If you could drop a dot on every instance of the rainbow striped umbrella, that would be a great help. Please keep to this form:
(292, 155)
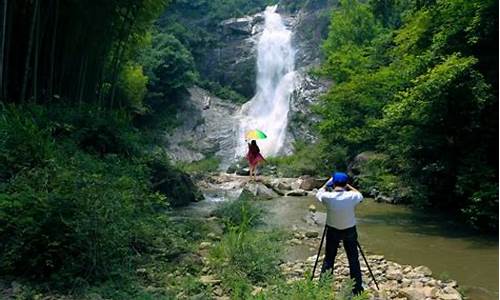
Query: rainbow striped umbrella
(255, 135)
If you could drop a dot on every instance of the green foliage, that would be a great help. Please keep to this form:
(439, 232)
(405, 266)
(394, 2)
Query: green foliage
(201, 167)
(91, 129)
(171, 181)
(308, 159)
(314, 290)
(238, 212)
(218, 10)
(376, 173)
(245, 257)
(72, 219)
(414, 84)
(223, 92)
(76, 50)
(480, 207)
(73, 214)
(23, 144)
(132, 84)
(169, 67)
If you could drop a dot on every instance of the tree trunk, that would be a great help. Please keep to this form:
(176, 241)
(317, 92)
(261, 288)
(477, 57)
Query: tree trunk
(7, 53)
(35, 63)
(53, 53)
(2, 50)
(28, 54)
(82, 80)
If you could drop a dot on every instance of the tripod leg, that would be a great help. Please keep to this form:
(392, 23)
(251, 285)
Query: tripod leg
(367, 265)
(319, 251)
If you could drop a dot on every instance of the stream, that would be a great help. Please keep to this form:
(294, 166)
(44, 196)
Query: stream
(401, 235)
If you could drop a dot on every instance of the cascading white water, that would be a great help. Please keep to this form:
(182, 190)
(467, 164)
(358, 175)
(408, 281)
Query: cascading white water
(268, 109)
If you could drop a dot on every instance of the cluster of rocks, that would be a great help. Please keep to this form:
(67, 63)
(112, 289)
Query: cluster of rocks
(395, 281)
(231, 186)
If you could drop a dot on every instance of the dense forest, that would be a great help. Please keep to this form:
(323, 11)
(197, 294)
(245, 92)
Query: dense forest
(417, 83)
(89, 90)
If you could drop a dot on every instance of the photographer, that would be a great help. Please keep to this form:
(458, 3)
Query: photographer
(340, 203)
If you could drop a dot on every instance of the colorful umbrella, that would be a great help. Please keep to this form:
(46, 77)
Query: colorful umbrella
(255, 135)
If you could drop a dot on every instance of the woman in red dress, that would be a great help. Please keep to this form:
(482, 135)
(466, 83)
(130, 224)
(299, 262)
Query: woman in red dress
(254, 158)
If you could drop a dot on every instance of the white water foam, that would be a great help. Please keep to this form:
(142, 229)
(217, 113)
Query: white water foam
(268, 109)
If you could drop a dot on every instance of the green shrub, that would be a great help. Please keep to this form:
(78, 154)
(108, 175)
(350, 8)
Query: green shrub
(481, 210)
(375, 173)
(171, 181)
(243, 255)
(201, 167)
(23, 143)
(308, 159)
(238, 212)
(247, 255)
(94, 130)
(74, 217)
(223, 92)
(314, 290)
(77, 201)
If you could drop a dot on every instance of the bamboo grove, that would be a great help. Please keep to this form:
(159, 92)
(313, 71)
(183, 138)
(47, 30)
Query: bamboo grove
(68, 49)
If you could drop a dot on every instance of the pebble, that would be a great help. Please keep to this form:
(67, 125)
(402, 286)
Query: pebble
(396, 281)
(312, 234)
(205, 245)
(209, 280)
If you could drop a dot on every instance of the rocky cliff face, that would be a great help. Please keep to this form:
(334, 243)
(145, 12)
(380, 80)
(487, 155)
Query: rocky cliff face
(310, 28)
(232, 62)
(207, 129)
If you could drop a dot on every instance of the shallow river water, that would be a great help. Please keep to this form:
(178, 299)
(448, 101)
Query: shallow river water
(402, 235)
(415, 238)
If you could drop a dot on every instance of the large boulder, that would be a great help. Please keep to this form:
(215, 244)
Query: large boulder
(310, 183)
(175, 184)
(296, 193)
(259, 190)
(412, 293)
(241, 25)
(356, 166)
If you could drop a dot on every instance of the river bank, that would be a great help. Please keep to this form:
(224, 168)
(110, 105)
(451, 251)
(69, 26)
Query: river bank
(378, 235)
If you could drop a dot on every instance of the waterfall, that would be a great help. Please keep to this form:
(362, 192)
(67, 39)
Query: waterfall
(268, 109)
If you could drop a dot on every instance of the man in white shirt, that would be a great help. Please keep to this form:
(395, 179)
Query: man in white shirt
(341, 224)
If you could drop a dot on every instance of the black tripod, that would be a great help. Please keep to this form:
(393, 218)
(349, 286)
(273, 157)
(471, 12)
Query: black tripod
(360, 250)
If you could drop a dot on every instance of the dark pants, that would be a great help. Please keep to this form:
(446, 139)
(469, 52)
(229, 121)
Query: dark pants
(349, 238)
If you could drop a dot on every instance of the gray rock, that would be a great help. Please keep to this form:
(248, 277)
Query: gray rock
(309, 183)
(296, 184)
(209, 280)
(423, 270)
(243, 171)
(260, 190)
(394, 274)
(412, 293)
(373, 192)
(205, 245)
(312, 234)
(201, 132)
(213, 236)
(383, 198)
(241, 25)
(284, 186)
(297, 192)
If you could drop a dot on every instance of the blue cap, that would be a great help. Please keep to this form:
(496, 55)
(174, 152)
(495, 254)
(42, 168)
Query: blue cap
(338, 177)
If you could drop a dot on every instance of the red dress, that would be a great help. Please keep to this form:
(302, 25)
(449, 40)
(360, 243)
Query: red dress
(253, 155)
